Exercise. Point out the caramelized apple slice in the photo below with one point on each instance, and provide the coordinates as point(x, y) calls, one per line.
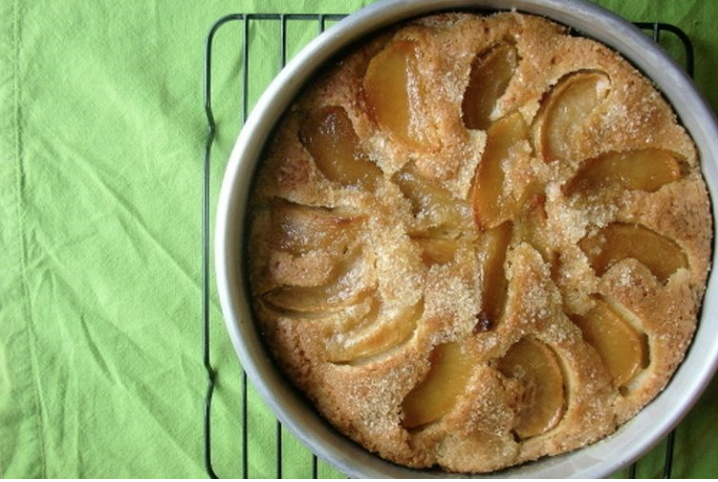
point(619, 241)
point(622, 349)
point(345, 287)
point(378, 333)
point(437, 394)
point(433, 205)
point(531, 221)
point(299, 229)
point(394, 94)
point(643, 170)
point(568, 105)
point(532, 225)
point(436, 250)
point(491, 205)
point(489, 78)
point(492, 255)
point(536, 367)
point(329, 137)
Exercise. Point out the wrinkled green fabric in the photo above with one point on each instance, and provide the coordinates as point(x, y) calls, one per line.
point(101, 141)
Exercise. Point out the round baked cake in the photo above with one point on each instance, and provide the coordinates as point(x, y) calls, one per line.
point(478, 240)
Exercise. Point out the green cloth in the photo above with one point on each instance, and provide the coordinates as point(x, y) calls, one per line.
point(101, 140)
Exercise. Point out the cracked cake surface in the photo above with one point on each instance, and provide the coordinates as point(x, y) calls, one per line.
point(478, 240)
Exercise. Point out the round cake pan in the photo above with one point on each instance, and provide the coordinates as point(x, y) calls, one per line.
point(598, 460)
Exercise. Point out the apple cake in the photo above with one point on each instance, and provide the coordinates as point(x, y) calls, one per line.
point(478, 240)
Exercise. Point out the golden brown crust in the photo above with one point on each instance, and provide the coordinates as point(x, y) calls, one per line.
point(378, 274)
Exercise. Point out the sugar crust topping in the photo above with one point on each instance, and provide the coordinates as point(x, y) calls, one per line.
point(479, 240)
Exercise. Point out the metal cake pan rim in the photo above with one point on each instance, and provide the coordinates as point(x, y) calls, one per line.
point(598, 460)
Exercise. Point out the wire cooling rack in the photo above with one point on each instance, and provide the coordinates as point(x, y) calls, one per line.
point(675, 40)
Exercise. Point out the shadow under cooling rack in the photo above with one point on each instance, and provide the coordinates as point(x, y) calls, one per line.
point(256, 47)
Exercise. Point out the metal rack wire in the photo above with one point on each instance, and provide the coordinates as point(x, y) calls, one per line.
point(655, 29)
